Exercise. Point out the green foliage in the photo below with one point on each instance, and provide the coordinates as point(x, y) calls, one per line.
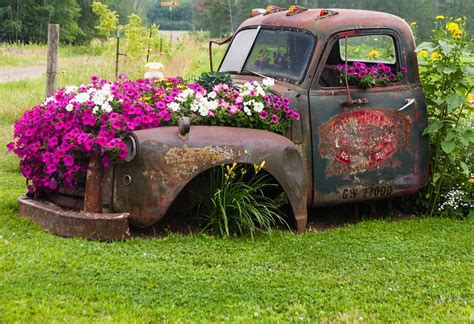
point(136, 40)
point(210, 79)
point(27, 21)
point(108, 19)
point(447, 78)
point(237, 202)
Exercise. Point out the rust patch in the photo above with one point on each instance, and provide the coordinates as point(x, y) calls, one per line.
point(184, 161)
point(361, 140)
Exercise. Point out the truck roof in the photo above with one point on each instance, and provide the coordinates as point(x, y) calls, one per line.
point(345, 19)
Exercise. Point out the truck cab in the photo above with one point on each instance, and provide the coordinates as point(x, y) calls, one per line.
point(358, 144)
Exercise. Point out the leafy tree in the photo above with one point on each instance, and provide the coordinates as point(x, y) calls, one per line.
point(27, 20)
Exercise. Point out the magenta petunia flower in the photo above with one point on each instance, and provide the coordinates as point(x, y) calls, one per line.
point(263, 114)
point(26, 170)
point(51, 168)
point(68, 160)
point(275, 119)
point(59, 125)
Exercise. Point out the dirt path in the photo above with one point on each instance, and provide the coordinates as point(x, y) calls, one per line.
point(16, 73)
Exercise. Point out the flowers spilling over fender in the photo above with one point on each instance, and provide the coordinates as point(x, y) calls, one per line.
point(55, 139)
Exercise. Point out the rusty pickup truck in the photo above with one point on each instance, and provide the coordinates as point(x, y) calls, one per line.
point(351, 144)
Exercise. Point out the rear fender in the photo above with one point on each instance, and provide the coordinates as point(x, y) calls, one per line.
point(166, 162)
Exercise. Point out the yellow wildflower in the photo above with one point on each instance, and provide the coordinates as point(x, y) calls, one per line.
point(373, 54)
point(452, 27)
point(457, 34)
point(440, 17)
point(459, 20)
point(413, 24)
point(435, 56)
point(471, 180)
point(424, 53)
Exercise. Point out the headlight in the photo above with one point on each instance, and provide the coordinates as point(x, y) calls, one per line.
point(132, 147)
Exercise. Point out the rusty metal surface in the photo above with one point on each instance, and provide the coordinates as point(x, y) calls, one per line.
point(166, 162)
point(68, 223)
point(66, 201)
point(93, 195)
point(363, 140)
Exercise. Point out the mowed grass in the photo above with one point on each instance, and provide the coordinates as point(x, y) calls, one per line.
point(419, 269)
point(378, 270)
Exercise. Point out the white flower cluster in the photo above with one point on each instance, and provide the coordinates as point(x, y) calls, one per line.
point(102, 98)
point(250, 89)
point(204, 106)
point(197, 102)
point(268, 82)
point(257, 106)
point(455, 199)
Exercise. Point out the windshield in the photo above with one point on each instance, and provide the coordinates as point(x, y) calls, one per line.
point(276, 53)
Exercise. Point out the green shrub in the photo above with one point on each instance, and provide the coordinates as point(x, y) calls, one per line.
point(447, 74)
point(237, 201)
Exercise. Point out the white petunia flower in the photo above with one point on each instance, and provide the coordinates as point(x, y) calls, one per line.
point(98, 99)
point(259, 90)
point(49, 99)
point(69, 107)
point(107, 107)
point(212, 95)
point(70, 89)
point(268, 82)
point(82, 97)
point(95, 109)
point(258, 107)
point(174, 106)
point(212, 105)
point(203, 110)
point(247, 111)
point(194, 106)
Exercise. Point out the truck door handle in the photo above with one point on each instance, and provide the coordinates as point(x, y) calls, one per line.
point(408, 103)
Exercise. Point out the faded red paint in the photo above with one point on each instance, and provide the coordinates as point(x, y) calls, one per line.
point(360, 140)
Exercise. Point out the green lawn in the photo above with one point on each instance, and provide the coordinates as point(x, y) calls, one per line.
point(419, 269)
point(410, 270)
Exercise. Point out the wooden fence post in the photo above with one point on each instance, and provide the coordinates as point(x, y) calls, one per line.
point(52, 65)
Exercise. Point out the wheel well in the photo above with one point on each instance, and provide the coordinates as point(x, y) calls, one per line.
point(183, 211)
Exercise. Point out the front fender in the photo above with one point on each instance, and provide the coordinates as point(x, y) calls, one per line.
point(166, 162)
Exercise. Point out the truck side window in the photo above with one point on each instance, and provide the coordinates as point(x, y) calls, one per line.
point(368, 50)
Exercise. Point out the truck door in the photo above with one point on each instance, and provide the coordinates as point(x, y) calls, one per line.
point(370, 148)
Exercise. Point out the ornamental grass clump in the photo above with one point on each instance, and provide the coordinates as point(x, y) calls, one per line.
point(447, 74)
point(55, 139)
point(237, 201)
